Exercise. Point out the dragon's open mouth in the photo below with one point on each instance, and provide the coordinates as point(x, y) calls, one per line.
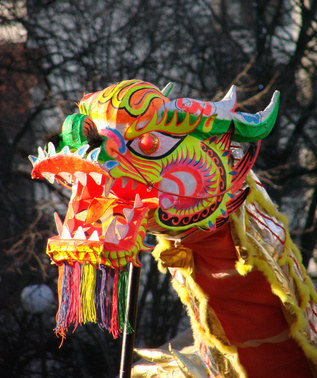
point(102, 225)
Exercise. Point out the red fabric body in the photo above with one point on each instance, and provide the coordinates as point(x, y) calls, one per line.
point(247, 309)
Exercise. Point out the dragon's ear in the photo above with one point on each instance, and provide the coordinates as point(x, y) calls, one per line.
point(76, 129)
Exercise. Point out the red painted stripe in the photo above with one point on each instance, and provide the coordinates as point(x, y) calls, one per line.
point(266, 226)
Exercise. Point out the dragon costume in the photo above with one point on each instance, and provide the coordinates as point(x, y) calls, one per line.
point(137, 162)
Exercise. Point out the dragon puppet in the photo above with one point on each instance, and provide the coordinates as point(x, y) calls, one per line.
point(137, 162)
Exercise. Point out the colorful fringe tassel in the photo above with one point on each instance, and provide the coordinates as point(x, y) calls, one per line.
point(92, 295)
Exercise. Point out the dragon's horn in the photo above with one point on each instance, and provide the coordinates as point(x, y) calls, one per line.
point(167, 89)
point(195, 107)
point(248, 127)
point(254, 127)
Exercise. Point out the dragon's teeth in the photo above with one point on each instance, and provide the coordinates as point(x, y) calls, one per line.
point(41, 153)
point(82, 150)
point(80, 234)
point(122, 230)
point(108, 184)
point(96, 176)
point(66, 176)
point(111, 236)
point(82, 177)
point(124, 182)
point(49, 177)
point(137, 202)
point(65, 233)
point(128, 213)
point(134, 184)
point(94, 236)
point(94, 154)
point(33, 159)
point(51, 149)
point(59, 223)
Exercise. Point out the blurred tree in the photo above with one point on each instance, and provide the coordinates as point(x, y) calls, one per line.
point(52, 51)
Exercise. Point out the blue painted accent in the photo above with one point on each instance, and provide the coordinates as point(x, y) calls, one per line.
point(41, 153)
point(33, 159)
point(51, 149)
point(82, 150)
point(233, 173)
point(94, 155)
point(223, 212)
point(251, 118)
point(230, 195)
point(226, 153)
point(210, 224)
point(110, 164)
point(65, 150)
point(123, 147)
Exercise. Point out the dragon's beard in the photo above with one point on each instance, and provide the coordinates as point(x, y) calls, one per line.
point(100, 227)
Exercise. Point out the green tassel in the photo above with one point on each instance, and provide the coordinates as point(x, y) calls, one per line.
point(122, 300)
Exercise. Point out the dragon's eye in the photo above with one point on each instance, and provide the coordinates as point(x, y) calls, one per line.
point(154, 145)
point(149, 143)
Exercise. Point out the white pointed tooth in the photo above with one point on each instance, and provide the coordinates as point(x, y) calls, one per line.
point(82, 177)
point(80, 233)
point(94, 154)
point(122, 230)
point(41, 153)
point(49, 177)
point(65, 150)
point(108, 185)
point(94, 236)
point(125, 181)
point(66, 176)
point(51, 149)
point(96, 176)
point(33, 159)
point(111, 236)
point(137, 202)
point(59, 223)
point(82, 150)
point(65, 233)
point(128, 213)
point(134, 184)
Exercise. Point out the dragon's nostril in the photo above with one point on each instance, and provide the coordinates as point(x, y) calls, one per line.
point(111, 148)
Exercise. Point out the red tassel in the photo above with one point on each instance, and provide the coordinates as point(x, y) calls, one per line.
point(75, 304)
point(115, 329)
point(60, 326)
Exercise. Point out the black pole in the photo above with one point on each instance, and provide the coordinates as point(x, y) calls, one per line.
point(131, 314)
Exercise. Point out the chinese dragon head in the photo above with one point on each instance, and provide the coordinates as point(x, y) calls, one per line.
point(137, 162)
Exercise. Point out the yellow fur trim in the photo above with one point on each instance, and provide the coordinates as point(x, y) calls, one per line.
point(162, 245)
point(242, 266)
point(305, 288)
point(202, 329)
